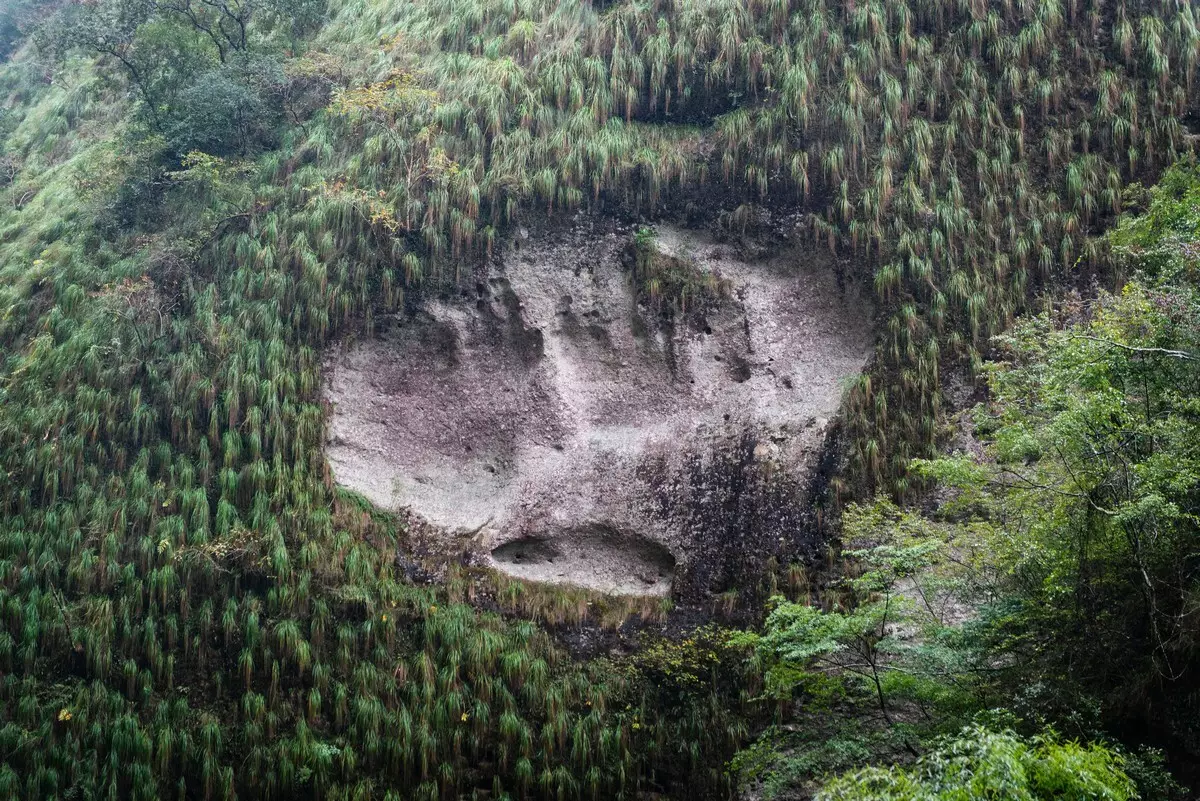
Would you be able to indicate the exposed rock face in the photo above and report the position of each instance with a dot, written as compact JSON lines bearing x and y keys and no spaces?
{"x":597,"y":558}
{"x":571,"y":435}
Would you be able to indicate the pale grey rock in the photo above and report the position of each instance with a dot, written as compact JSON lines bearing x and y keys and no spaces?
{"x":551,"y":411}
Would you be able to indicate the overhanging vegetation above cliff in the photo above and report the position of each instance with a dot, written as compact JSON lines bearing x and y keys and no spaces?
{"x":963,"y":151}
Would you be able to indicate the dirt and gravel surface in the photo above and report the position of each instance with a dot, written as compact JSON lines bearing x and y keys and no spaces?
{"x":565,"y":432}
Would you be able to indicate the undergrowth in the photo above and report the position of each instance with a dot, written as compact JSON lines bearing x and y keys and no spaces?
{"x":671,"y":283}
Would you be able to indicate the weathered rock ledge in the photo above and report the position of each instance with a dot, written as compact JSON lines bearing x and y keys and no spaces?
{"x":567,"y":433}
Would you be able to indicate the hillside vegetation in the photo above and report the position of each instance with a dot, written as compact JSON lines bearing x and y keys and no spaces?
{"x":1055,"y":576}
{"x":199,"y":197}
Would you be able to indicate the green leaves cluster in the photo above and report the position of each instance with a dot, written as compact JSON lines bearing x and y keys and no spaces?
{"x":1058,"y":575}
{"x":1078,"y":524}
{"x":672,"y":283}
{"x":208,"y":73}
{"x":979,"y":763}
{"x":884,"y":633}
{"x":1161,"y":241}
{"x":1090,"y":507}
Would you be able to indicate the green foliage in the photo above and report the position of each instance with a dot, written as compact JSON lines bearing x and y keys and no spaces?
{"x":1148,"y":770}
{"x":881,"y":669}
{"x":1161,"y":242}
{"x":213,"y":180}
{"x":691,"y":663}
{"x":1088,"y":511}
{"x":1077,"y":525}
{"x":889,"y":631}
{"x":672,"y":283}
{"x":208,"y":73}
{"x":782,"y":761}
{"x":223,"y":112}
{"x":979,"y":763}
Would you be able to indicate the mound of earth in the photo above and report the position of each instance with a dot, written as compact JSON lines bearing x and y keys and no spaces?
{"x":560,"y":427}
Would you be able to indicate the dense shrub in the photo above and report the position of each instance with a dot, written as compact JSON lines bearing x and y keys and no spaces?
{"x":979,"y":764}
{"x":227,"y":111}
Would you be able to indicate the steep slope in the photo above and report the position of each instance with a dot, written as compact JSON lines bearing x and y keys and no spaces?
{"x":189,"y":605}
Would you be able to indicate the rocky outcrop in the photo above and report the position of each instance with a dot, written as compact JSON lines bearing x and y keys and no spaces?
{"x":561,"y":427}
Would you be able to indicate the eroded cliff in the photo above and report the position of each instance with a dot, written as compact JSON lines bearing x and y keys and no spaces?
{"x":558,"y":426}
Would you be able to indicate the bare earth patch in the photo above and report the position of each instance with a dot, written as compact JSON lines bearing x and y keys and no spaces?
{"x":557,"y":427}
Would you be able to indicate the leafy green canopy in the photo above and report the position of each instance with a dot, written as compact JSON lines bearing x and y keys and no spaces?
{"x":1085,"y":509}
{"x":983,"y":764}
{"x":1065,"y":551}
{"x":868,"y":637}
{"x":1162,"y":241}
{"x":1090,"y":508}
{"x":878,"y":670}
{"x":207,"y":72}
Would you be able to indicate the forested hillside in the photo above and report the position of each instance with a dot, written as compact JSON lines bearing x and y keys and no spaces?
{"x":1052,"y":574}
{"x":199,"y":197}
